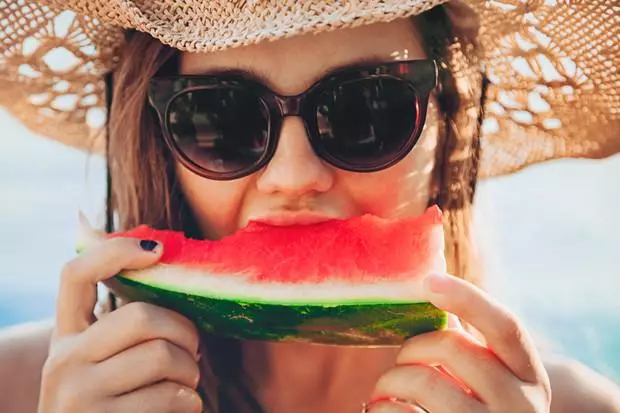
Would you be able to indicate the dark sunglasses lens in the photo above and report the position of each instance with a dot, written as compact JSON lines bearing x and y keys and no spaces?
{"x":366,"y":123}
{"x":222,"y":130}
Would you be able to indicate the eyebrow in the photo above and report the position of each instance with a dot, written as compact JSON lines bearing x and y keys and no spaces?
{"x":263,"y":78}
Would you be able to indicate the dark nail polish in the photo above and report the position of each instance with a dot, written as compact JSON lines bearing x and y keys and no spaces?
{"x":148,"y":245}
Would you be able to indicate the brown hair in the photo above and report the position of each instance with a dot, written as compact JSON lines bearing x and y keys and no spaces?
{"x":143,"y":188}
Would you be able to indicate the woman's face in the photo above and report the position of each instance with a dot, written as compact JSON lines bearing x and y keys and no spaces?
{"x":296,"y":183}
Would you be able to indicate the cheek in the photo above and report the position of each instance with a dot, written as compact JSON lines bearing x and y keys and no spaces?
{"x":402,"y":190}
{"x":215,"y":204}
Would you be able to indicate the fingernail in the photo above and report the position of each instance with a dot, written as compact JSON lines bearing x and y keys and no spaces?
{"x":148,"y":245}
{"x":188,"y":400}
{"x":436,"y":283}
{"x":454,"y":322}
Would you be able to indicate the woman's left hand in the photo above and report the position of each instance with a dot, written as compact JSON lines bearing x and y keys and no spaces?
{"x":451,"y":371}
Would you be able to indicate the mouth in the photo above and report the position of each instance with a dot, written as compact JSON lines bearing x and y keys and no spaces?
{"x":289,"y":218}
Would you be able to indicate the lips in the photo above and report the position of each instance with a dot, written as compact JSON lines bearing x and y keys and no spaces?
{"x":288,"y":218}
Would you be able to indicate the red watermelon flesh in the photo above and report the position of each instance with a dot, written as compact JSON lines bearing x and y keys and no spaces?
{"x":361,"y":259}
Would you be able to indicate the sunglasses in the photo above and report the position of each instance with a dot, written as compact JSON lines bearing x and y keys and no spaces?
{"x":361,"y":119}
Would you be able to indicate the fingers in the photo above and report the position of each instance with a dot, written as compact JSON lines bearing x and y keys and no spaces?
{"x":77,"y":292}
{"x":137,"y":323}
{"x":469,"y":362}
{"x":501,"y":329}
{"x":74,"y":380}
{"x":429,"y":387}
{"x":155,"y":361}
{"x":163,"y":397}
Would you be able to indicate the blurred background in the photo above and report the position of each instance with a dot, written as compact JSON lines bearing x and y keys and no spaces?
{"x":550,"y":236}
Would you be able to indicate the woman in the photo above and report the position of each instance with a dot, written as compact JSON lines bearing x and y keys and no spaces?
{"x":204,"y":175}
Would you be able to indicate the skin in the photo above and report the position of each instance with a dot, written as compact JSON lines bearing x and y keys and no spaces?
{"x":141,"y":358}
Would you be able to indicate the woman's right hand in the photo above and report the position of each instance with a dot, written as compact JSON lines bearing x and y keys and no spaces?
{"x":139,"y":358}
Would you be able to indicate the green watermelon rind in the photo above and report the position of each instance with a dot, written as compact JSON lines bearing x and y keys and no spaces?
{"x":365,"y":324}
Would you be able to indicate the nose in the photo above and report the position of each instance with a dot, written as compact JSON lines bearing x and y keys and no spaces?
{"x":295,"y":169}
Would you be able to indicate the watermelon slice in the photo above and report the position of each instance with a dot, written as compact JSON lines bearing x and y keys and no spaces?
{"x":349,"y":282}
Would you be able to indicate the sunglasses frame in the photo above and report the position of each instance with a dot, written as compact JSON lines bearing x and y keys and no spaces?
{"x":422,"y":76}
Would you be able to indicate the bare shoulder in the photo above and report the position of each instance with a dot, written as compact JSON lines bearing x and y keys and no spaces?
{"x":576,"y":389}
{"x":23,"y":350}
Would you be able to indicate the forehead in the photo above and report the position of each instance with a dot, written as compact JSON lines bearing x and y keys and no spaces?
{"x":289,"y":66}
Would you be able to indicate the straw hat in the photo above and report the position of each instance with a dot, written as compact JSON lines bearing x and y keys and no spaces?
{"x":552,"y":64}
